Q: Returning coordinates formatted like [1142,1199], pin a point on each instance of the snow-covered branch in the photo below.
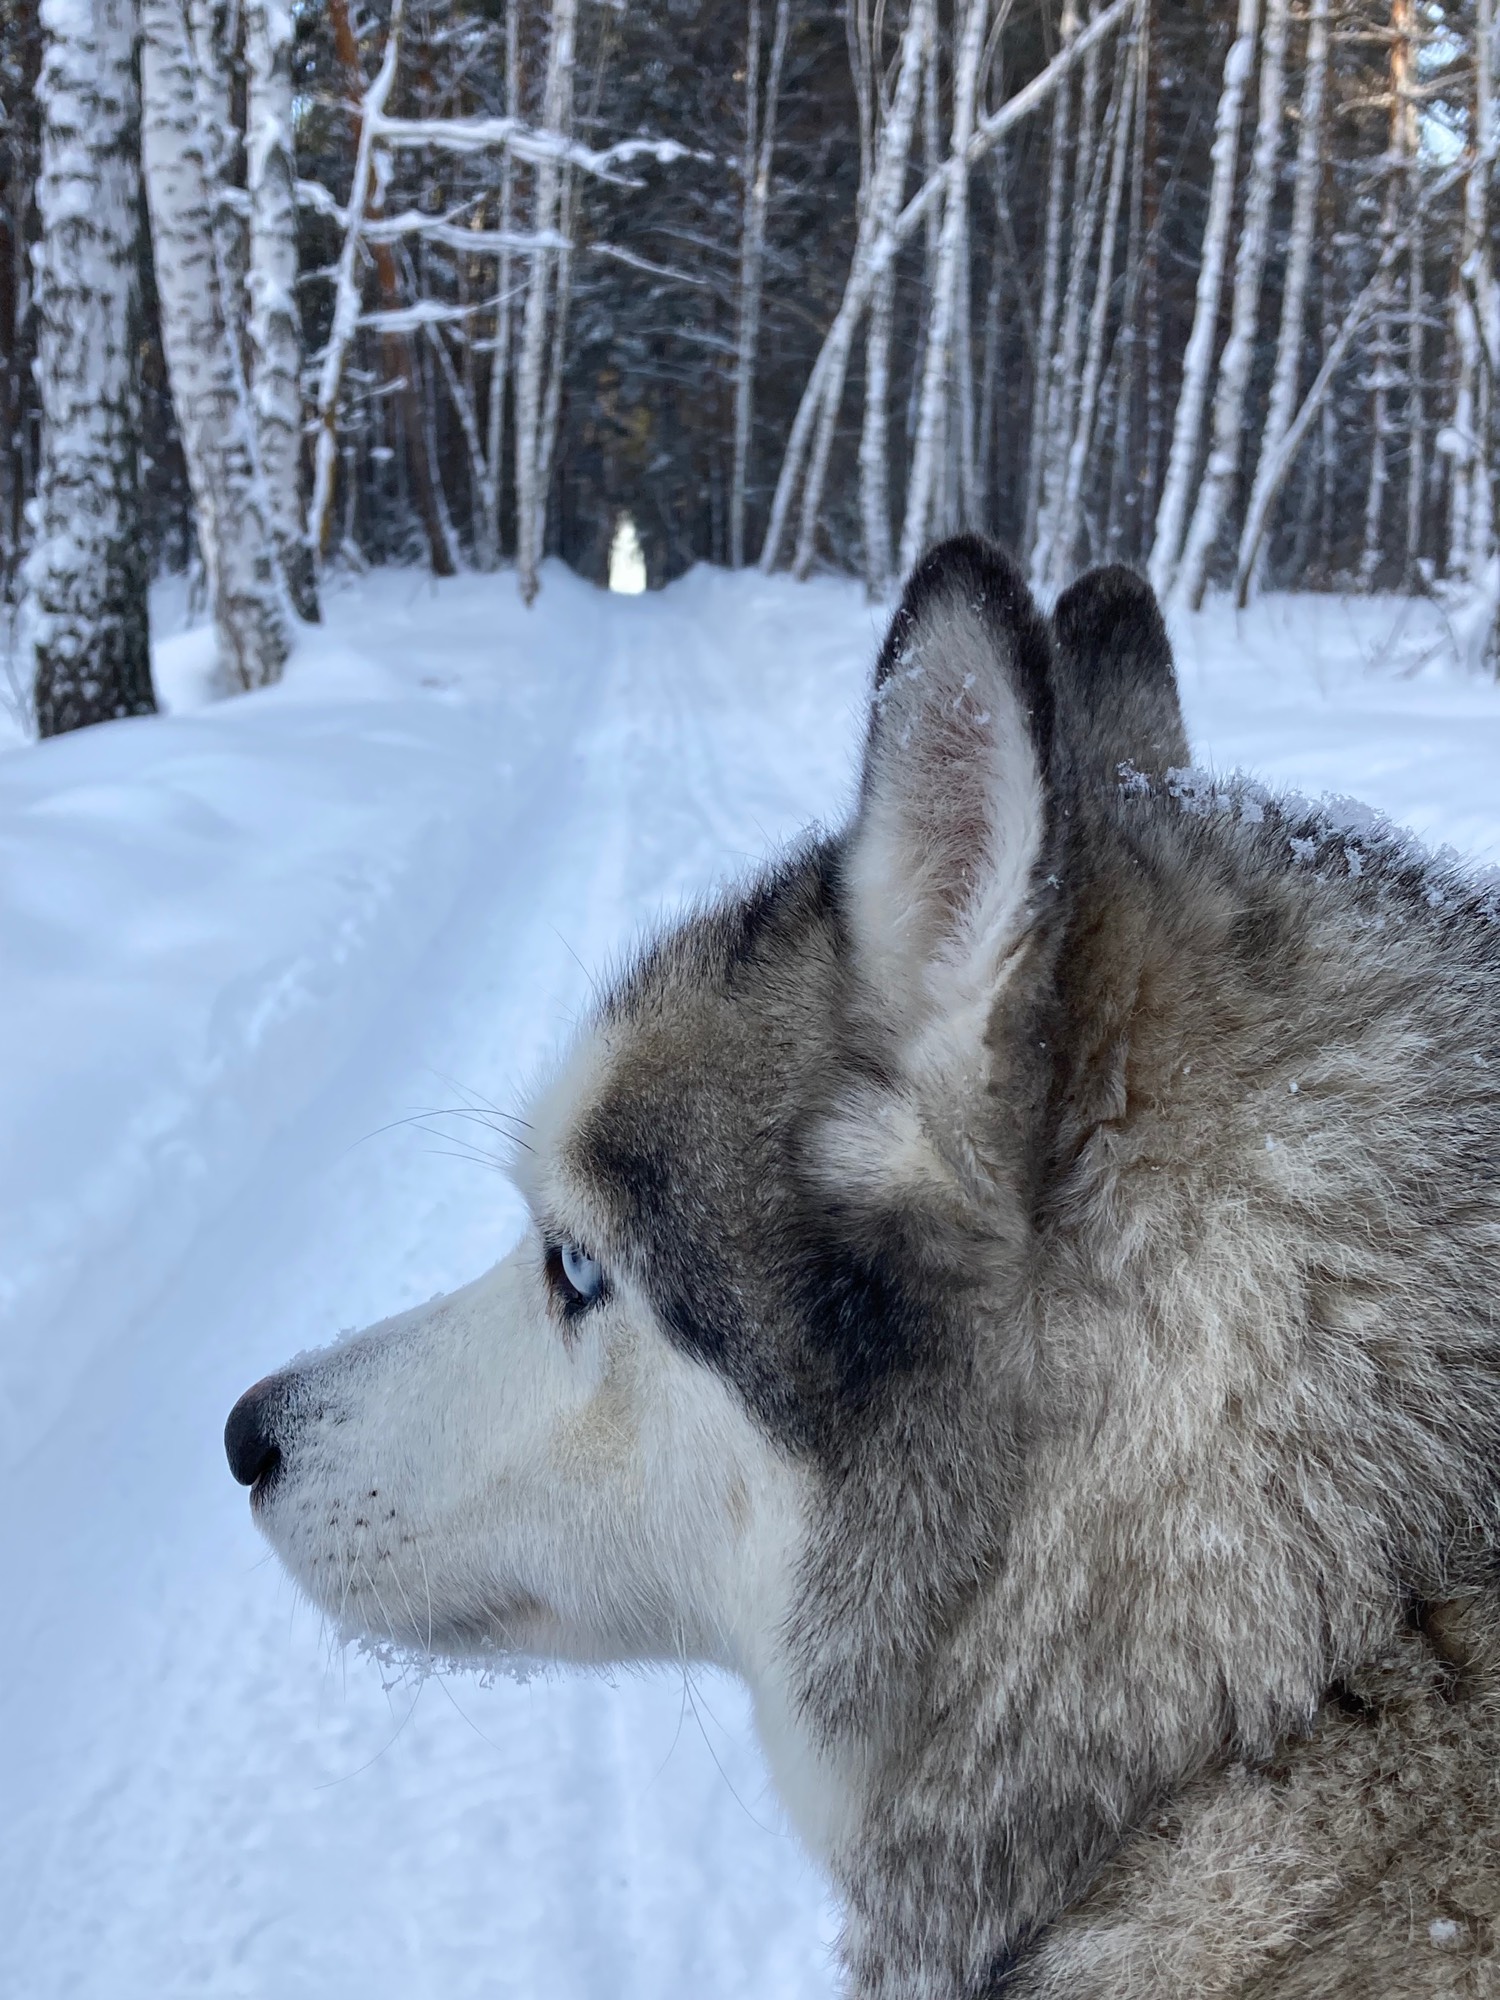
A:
[529,143]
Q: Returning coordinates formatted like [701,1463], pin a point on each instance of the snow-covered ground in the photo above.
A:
[238,946]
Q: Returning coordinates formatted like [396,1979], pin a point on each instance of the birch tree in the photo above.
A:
[533,448]
[489,542]
[874,248]
[760,152]
[86,575]
[1042,374]
[1215,488]
[275,326]
[881,181]
[251,614]
[1197,366]
[1286,370]
[1070,504]
[1476,325]
[885,196]
[1395,172]
[951,274]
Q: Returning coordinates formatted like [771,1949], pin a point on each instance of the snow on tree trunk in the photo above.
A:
[760,150]
[1187,425]
[1216,486]
[952,271]
[1286,370]
[86,574]
[245,584]
[1338,338]
[348,271]
[275,326]
[531,496]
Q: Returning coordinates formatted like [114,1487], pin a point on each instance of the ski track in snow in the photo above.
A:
[240,943]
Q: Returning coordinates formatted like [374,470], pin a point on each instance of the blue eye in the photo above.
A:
[576,1278]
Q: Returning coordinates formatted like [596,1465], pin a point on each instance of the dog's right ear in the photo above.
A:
[1115,681]
[955,801]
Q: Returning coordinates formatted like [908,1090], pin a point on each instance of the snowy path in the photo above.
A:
[197,1801]
[236,945]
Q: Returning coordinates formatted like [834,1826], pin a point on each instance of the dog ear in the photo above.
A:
[1115,681]
[954,808]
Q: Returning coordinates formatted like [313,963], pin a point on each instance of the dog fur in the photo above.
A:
[1046,1344]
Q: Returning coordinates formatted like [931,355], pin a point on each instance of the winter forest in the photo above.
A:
[798,283]
[348,350]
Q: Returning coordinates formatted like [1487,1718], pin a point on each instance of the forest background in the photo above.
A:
[1202,285]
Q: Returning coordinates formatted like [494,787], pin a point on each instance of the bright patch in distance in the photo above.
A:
[627,565]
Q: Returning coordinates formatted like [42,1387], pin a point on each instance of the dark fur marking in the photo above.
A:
[969,569]
[1115,674]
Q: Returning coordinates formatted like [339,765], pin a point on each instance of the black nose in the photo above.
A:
[249,1436]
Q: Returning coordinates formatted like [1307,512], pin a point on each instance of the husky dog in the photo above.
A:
[1019,1286]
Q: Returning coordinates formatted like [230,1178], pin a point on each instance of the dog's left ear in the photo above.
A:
[955,801]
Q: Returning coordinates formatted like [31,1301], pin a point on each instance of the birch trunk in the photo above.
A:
[1062,402]
[275,327]
[1338,337]
[1216,487]
[760,151]
[1126,470]
[531,497]
[1187,424]
[1471,519]
[1416,414]
[951,273]
[489,541]
[874,437]
[1041,383]
[1287,367]
[1070,511]
[827,377]
[348,271]
[86,574]
[1384,380]
[820,400]
[1155,413]
[874,442]
[245,585]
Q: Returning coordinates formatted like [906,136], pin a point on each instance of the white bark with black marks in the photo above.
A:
[251,613]
[1197,366]
[86,575]
[532,452]
[1215,489]
[275,324]
[1286,371]
[951,273]
[760,150]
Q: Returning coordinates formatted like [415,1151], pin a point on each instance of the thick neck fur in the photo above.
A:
[1243,1338]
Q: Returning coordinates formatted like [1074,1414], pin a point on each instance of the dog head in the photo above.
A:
[750,1388]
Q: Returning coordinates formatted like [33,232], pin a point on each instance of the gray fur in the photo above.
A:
[1150,1385]
[1191,1398]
